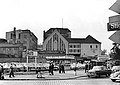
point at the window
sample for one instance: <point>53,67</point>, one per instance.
<point>90,46</point>
<point>96,46</point>
<point>70,46</point>
<point>25,36</point>
<point>78,46</point>
<point>78,50</point>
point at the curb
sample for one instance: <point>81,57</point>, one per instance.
<point>49,78</point>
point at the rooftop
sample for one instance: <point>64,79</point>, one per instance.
<point>88,39</point>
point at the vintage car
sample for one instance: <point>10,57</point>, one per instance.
<point>115,76</point>
<point>115,68</point>
<point>78,66</point>
<point>97,71</point>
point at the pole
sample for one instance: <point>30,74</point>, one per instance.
<point>27,62</point>
<point>35,62</point>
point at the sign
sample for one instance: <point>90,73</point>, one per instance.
<point>32,53</point>
<point>60,57</point>
<point>114,19</point>
<point>116,7</point>
<point>114,23</point>
<point>113,26</point>
<point>115,37</point>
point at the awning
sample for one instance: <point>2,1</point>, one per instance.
<point>60,57</point>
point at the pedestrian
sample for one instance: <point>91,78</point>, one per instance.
<point>2,75</point>
<point>11,73</point>
<point>0,72</point>
<point>63,68</point>
<point>52,69</point>
<point>86,67</point>
<point>60,67</point>
<point>75,69</point>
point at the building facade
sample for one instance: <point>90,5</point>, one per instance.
<point>26,37</point>
<point>59,39</point>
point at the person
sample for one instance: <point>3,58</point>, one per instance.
<point>2,76</point>
<point>63,68</point>
<point>52,69</point>
<point>0,72</point>
<point>60,67</point>
<point>86,67</point>
<point>75,69</point>
<point>11,71</point>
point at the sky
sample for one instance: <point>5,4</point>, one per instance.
<point>82,17</point>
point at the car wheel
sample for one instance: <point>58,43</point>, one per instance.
<point>113,80</point>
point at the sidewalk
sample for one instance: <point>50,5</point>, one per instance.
<point>46,76</point>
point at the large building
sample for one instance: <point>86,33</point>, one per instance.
<point>59,40</point>
<point>26,37</point>
<point>10,52</point>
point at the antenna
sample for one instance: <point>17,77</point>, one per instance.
<point>62,22</point>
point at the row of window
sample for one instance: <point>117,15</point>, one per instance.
<point>92,46</point>
<point>19,36</point>
<point>78,46</point>
<point>74,50</point>
<point>74,46</point>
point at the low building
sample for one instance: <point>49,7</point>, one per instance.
<point>59,39</point>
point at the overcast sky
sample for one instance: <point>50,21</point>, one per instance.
<point>82,17</point>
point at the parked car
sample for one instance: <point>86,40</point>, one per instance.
<point>115,68</point>
<point>97,71</point>
<point>115,76</point>
<point>78,66</point>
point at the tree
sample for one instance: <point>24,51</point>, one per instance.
<point>115,52</point>
<point>103,52</point>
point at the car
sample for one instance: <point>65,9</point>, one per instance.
<point>115,76</point>
<point>78,66</point>
<point>115,68</point>
<point>97,71</point>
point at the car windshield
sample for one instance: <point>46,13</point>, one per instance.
<point>98,68</point>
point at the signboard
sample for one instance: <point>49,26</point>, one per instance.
<point>113,26</point>
<point>116,7</point>
<point>32,53</point>
<point>115,37</point>
<point>60,57</point>
<point>114,23</point>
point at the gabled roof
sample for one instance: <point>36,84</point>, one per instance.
<point>60,30</point>
<point>75,40</point>
<point>88,39</point>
